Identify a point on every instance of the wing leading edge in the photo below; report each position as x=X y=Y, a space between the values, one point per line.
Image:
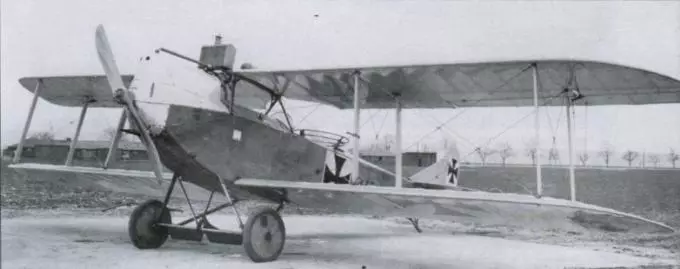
x=461 y=206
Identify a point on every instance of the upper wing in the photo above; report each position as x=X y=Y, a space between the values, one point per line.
x=472 y=84
x=75 y=90
x=419 y=86
x=473 y=206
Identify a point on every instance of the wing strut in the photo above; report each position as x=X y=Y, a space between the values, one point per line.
x=539 y=180
x=74 y=141
x=570 y=130
x=576 y=92
x=20 y=147
x=398 y=156
x=113 y=148
x=357 y=111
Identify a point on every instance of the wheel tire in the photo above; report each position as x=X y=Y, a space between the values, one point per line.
x=264 y=235
x=142 y=228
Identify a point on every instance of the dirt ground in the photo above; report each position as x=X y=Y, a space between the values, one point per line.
x=88 y=238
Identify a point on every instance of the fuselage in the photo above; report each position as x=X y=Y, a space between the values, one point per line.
x=205 y=146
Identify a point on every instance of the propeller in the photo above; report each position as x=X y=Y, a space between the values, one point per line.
x=124 y=96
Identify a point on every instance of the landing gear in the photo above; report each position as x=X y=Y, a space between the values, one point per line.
x=264 y=235
x=143 y=228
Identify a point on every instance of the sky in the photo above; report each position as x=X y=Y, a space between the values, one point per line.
x=42 y=38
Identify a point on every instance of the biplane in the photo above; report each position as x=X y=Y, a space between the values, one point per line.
x=215 y=130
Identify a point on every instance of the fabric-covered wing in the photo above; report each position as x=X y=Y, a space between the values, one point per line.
x=472 y=84
x=118 y=181
x=460 y=206
x=75 y=90
x=89 y=170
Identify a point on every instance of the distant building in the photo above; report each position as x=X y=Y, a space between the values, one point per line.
x=412 y=162
x=133 y=155
x=87 y=153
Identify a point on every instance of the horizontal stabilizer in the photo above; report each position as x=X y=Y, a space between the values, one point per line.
x=475 y=206
x=89 y=170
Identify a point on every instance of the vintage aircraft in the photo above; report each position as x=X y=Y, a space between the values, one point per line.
x=211 y=134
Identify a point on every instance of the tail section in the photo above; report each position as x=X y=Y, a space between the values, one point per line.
x=442 y=174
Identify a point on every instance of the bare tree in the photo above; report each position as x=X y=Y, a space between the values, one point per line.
x=446 y=143
x=630 y=156
x=484 y=153
x=673 y=157
x=654 y=159
x=583 y=157
x=110 y=132
x=531 y=151
x=42 y=136
x=553 y=156
x=388 y=142
x=606 y=154
x=505 y=151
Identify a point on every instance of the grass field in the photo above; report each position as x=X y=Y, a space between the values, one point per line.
x=651 y=193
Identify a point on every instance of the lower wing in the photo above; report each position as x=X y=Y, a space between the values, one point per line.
x=121 y=181
x=88 y=170
x=462 y=206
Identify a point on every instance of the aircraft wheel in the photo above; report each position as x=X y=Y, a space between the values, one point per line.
x=142 y=228
x=264 y=235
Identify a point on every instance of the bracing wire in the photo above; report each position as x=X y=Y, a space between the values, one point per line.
x=464 y=109
x=512 y=125
x=309 y=114
x=383 y=123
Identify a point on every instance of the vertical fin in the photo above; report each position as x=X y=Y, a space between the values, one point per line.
x=444 y=172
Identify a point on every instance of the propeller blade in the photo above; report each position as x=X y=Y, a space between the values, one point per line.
x=107 y=60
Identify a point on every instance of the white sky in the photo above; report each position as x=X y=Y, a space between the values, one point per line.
x=57 y=38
